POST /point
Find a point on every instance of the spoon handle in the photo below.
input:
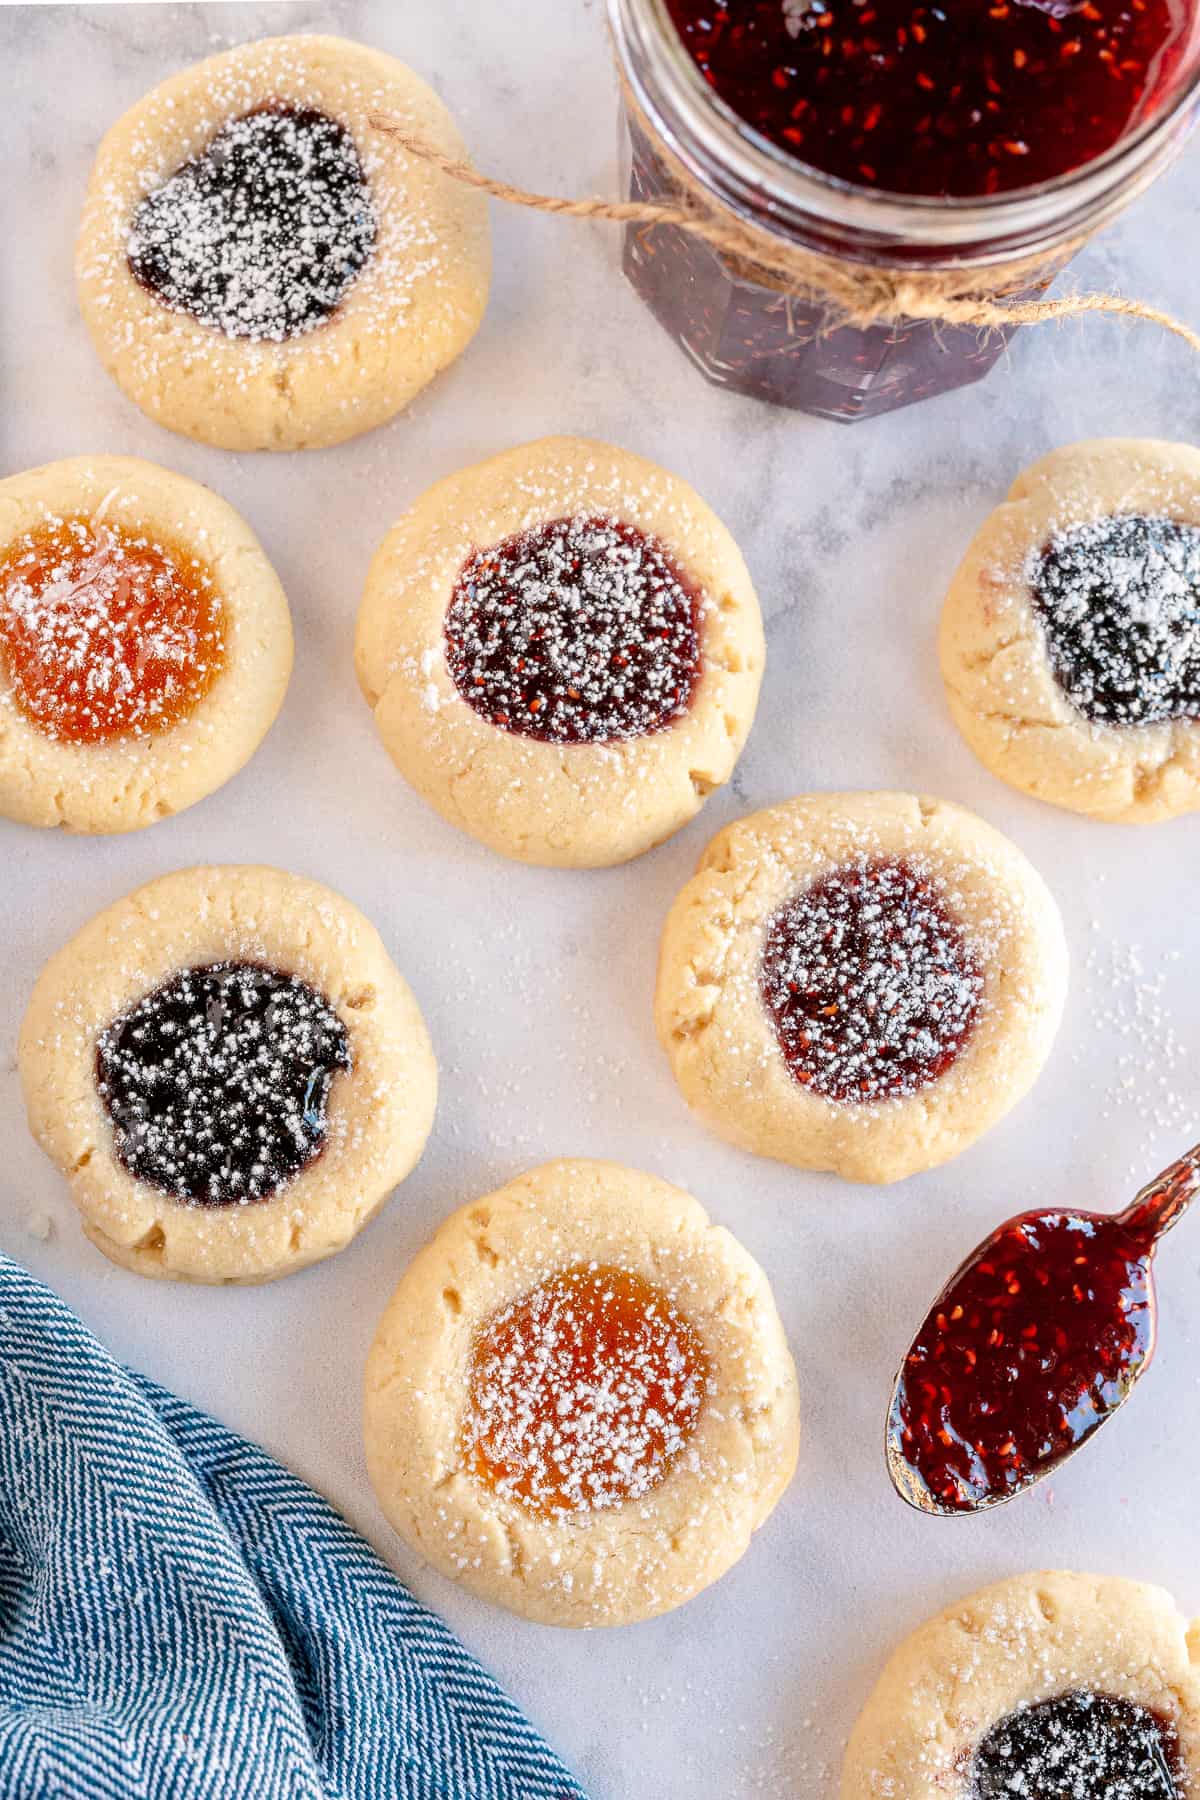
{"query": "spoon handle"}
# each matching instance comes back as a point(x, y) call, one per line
point(1163, 1201)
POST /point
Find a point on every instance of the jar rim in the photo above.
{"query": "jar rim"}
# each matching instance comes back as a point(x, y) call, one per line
point(756, 177)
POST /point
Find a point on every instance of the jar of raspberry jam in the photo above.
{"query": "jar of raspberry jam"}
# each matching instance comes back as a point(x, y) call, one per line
point(904, 139)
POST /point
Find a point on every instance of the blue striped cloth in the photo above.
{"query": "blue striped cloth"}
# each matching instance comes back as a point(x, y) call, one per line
point(182, 1619)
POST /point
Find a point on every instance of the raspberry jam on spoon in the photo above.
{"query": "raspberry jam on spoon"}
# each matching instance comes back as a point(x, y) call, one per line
point(1035, 1341)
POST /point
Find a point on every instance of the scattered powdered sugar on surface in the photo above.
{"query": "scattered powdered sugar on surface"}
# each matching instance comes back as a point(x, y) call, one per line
point(217, 1082)
point(104, 631)
point(871, 985)
point(263, 232)
point(581, 630)
point(772, 1762)
point(583, 1392)
point(1154, 1067)
point(1118, 600)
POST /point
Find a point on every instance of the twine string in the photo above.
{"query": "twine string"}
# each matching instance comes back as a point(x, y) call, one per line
point(857, 294)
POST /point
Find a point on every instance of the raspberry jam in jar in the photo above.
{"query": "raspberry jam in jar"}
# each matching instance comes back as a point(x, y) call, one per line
point(888, 137)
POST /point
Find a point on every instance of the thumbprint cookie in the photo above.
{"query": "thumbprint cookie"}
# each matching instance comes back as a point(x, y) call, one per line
point(862, 983)
point(1047, 1686)
point(580, 1402)
point(562, 649)
point(145, 644)
point(260, 266)
point(230, 1072)
point(1070, 639)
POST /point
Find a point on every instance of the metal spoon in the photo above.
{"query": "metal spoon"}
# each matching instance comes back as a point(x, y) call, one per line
point(1031, 1346)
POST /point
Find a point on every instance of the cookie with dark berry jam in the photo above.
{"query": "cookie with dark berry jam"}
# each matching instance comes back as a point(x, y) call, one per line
point(1045, 1686)
point(263, 264)
point(230, 1072)
point(1070, 638)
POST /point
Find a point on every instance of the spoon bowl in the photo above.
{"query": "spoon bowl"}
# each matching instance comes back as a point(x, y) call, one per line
point(1034, 1343)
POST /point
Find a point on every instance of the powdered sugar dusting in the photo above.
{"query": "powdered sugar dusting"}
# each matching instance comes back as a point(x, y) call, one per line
point(869, 981)
point(217, 1082)
point(106, 632)
point(581, 630)
point(261, 235)
point(1077, 1746)
point(1133, 995)
point(583, 1392)
point(1119, 603)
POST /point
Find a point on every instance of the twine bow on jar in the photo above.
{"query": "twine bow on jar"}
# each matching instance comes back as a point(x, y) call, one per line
point(851, 293)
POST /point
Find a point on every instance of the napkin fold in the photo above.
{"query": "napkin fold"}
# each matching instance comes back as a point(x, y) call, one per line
point(183, 1619)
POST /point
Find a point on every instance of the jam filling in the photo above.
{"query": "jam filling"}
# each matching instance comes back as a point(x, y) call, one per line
point(105, 633)
point(217, 1083)
point(971, 99)
point(1038, 1337)
point(581, 631)
point(582, 1393)
point(1078, 1746)
point(869, 982)
point(261, 234)
point(1119, 605)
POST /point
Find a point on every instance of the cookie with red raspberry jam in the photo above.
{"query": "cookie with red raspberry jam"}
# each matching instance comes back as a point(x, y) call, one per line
point(562, 649)
point(862, 983)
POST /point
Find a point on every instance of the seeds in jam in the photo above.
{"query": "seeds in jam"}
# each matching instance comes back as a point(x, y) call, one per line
point(104, 632)
point(583, 1392)
point(869, 982)
point(581, 631)
point(261, 234)
point(1027, 1351)
point(971, 99)
point(1078, 1746)
point(1119, 604)
point(217, 1083)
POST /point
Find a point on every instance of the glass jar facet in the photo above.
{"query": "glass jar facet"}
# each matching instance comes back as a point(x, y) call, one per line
point(744, 331)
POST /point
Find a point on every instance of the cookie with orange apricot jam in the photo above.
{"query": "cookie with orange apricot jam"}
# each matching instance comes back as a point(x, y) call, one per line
point(580, 1402)
point(145, 644)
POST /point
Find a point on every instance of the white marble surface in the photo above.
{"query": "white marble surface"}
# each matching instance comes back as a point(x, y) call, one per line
point(537, 984)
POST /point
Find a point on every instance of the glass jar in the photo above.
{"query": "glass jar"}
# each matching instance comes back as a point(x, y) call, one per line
point(745, 331)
